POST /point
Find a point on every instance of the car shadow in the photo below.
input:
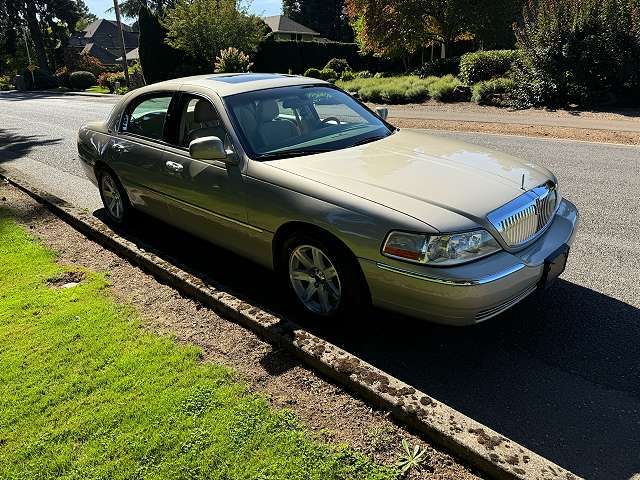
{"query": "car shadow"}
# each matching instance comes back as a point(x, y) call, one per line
point(14, 145)
point(559, 373)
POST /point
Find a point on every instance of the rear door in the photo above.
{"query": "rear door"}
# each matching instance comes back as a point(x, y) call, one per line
point(138, 150)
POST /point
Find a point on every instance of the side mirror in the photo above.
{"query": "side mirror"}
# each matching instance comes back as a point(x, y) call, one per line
point(208, 148)
point(383, 112)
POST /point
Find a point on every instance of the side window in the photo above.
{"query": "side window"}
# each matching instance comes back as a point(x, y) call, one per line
point(199, 118)
point(147, 117)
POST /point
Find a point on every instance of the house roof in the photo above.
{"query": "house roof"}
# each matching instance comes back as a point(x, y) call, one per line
point(100, 24)
point(132, 55)
point(100, 53)
point(282, 24)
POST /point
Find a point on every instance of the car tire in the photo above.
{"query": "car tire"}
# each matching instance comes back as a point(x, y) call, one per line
point(323, 279)
point(114, 198)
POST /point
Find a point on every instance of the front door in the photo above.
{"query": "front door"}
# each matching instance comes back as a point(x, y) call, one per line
point(205, 198)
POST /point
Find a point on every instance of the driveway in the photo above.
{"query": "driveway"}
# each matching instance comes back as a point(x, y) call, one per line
point(560, 373)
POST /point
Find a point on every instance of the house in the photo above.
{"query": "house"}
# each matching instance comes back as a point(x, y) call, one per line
point(284, 28)
point(132, 56)
point(101, 39)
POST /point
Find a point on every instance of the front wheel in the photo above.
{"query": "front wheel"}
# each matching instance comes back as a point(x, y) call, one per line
point(324, 281)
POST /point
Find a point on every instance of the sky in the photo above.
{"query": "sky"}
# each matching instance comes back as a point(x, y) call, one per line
point(259, 7)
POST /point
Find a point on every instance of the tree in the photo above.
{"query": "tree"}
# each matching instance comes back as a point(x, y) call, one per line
point(327, 17)
point(158, 60)
point(130, 8)
point(202, 28)
point(48, 23)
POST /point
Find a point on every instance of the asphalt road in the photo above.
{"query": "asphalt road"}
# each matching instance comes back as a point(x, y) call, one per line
point(560, 373)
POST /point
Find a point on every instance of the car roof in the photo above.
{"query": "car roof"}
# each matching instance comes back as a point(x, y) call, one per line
point(225, 84)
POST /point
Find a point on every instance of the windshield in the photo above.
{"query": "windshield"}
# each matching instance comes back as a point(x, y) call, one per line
point(301, 120)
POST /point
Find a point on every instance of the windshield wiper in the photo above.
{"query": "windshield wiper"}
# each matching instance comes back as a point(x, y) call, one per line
point(292, 153)
point(368, 140)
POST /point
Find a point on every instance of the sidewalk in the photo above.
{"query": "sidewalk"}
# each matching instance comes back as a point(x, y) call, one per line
point(621, 121)
point(616, 127)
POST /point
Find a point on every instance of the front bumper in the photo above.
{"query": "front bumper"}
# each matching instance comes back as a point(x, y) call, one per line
point(473, 292)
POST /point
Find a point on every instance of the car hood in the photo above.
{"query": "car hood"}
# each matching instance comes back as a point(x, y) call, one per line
point(413, 172)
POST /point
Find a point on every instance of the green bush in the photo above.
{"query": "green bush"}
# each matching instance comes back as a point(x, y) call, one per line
point(38, 80)
point(108, 80)
point(338, 64)
point(584, 53)
point(313, 73)
point(442, 89)
point(89, 63)
point(347, 75)
point(364, 74)
point(485, 65)
point(439, 67)
point(392, 90)
point(232, 60)
point(82, 80)
point(62, 77)
point(328, 74)
point(485, 92)
point(282, 56)
point(5, 83)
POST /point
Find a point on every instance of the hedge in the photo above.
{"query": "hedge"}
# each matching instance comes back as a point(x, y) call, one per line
point(485, 65)
point(288, 55)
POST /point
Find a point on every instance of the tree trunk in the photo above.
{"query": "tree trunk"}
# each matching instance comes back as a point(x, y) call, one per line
point(443, 50)
point(36, 37)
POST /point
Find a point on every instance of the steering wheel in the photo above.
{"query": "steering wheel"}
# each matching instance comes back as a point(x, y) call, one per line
point(331, 119)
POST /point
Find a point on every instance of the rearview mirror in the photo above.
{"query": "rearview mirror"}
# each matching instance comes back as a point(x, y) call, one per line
point(207, 148)
point(383, 112)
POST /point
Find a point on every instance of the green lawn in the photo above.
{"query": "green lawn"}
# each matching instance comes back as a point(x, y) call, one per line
point(97, 89)
point(85, 393)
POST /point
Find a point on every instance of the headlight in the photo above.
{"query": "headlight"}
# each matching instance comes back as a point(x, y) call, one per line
point(440, 250)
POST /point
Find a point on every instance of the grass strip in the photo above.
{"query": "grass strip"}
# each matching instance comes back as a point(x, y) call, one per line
point(85, 393)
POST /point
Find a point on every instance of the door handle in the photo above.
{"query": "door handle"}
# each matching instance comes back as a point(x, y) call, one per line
point(174, 167)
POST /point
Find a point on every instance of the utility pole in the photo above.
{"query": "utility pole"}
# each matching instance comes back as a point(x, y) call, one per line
point(125, 67)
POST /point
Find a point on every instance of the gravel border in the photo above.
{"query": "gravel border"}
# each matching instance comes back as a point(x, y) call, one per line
point(480, 446)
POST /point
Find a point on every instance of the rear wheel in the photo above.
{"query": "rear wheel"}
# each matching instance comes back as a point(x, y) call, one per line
point(114, 198)
point(323, 279)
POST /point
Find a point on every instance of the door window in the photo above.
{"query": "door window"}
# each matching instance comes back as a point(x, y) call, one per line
point(198, 119)
point(148, 117)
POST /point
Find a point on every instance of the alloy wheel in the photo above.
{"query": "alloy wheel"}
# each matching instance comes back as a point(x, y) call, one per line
point(315, 280)
point(112, 198)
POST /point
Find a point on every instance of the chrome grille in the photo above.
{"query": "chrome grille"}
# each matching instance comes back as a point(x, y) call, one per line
point(520, 220)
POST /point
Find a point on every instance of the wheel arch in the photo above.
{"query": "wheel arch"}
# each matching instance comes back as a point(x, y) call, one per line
point(287, 229)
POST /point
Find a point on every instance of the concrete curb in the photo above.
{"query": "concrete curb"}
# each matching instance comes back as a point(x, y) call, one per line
point(488, 451)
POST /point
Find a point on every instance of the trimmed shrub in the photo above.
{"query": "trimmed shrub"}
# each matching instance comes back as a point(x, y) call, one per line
point(313, 73)
point(328, 74)
point(439, 67)
point(485, 65)
point(232, 60)
point(82, 80)
point(338, 64)
point(393, 90)
point(491, 92)
point(443, 88)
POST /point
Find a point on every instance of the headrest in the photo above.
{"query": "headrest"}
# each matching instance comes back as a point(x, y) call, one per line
point(204, 112)
point(268, 110)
